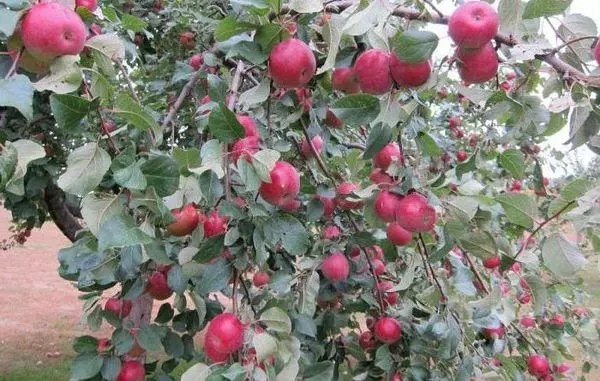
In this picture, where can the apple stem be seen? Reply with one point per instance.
(13, 68)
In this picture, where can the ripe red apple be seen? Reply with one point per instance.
(354, 252)
(385, 205)
(380, 177)
(562, 368)
(245, 147)
(91, 5)
(187, 40)
(331, 232)
(597, 53)
(285, 183)
(527, 321)
(461, 156)
(443, 93)
(345, 79)
(196, 61)
(473, 24)
(516, 186)
(415, 214)
(383, 159)
(367, 341)
(304, 99)
(378, 267)
(336, 267)
(506, 86)
(454, 122)
(291, 63)
(108, 126)
(317, 142)
(557, 320)
(511, 76)
(132, 370)
(492, 263)
(328, 205)
(408, 74)
(49, 30)
(186, 220)
(538, 365)
(397, 376)
(373, 70)
(343, 190)
(388, 330)
(375, 252)
(250, 128)
(493, 333)
(214, 224)
(398, 235)
(224, 335)
(158, 287)
(290, 205)
(524, 297)
(477, 65)
(121, 308)
(103, 345)
(210, 345)
(260, 278)
(332, 120)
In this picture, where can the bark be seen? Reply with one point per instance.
(60, 212)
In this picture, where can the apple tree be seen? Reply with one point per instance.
(274, 190)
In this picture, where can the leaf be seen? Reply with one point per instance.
(223, 124)
(210, 187)
(149, 338)
(198, 372)
(108, 44)
(259, 4)
(575, 189)
(290, 232)
(562, 257)
(65, 76)
(428, 145)
(8, 22)
(132, 23)
(173, 345)
(265, 346)
(229, 27)
(306, 6)
(320, 371)
(131, 177)
(162, 173)
(215, 277)
(379, 137)
(308, 295)
(356, 109)
(133, 113)
(509, 12)
(8, 164)
(211, 155)
(466, 167)
(414, 46)
(277, 320)
(513, 161)
(263, 162)
(520, 208)
(332, 35)
(111, 367)
(97, 207)
(479, 243)
(365, 19)
(120, 231)
(26, 152)
(256, 95)
(86, 167)
(86, 365)
(543, 8)
(268, 35)
(69, 110)
(17, 92)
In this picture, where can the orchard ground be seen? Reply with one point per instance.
(40, 312)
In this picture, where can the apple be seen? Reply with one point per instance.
(332, 120)
(304, 99)
(317, 143)
(562, 368)
(328, 205)
(511, 76)
(367, 341)
(260, 278)
(388, 330)
(492, 263)
(524, 297)
(493, 333)
(477, 65)
(336, 267)
(443, 93)
(415, 214)
(538, 365)
(187, 40)
(506, 86)
(597, 53)
(186, 220)
(163, 268)
(345, 79)
(458, 133)
(290, 205)
(91, 5)
(158, 287)
(291, 63)
(103, 345)
(331, 232)
(157, 6)
(196, 61)
(214, 224)
(249, 125)
(343, 190)
(354, 252)
(473, 24)
(557, 321)
(385, 205)
(210, 350)
(391, 298)
(527, 321)
(373, 70)
(398, 235)
(95, 29)
(375, 252)
(132, 370)
(224, 336)
(408, 74)
(380, 177)
(245, 147)
(516, 186)
(108, 126)
(378, 267)
(119, 307)
(454, 122)
(461, 156)
(285, 183)
(397, 376)
(384, 158)
(49, 30)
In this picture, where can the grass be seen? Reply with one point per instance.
(58, 370)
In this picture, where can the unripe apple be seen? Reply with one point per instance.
(331, 232)
(345, 79)
(328, 205)
(158, 287)
(527, 321)
(367, 341)
(415, 214)
(196, 61)
(186, 220)
(492, 263)
(384, 158)
(538, 365)
(454, 122)
(473, 24)
(336, 267)
(119, 307)
(477, 65)
(317, 143)
(260, 278)
(597, 53)
(378, 267)
(224, 336)
(187, 40)
(493, 333)
(245, 147)
(332, 120)
(91, 5)
(49, 30)
(132, 370)
(373, 70)
(398, 235)
(343, 190)
(250, 128)
(461, 156)
(408, 74)
(388, 330)
(285, 183)
(380, 177)
(291, 63)
(385, 205)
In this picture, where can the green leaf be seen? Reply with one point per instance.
(320, 371)
(133, 113)
(150, 338)
(520, 208)
(379, 137)
(177, 280)
(265, 346)
(198, 372)
(65, 76)
(543, 8)
(17, 92)
(257, 94)
(276, 320)
(108, 44)
(509, 12)
(306, 6)
(132, 23)
(97, 207)
(86, 365)
(357, 109)
(162, 173)
(290, 232)
(86, 167)
(211, 155)
(8, 164)
(229, 27)
(383, 358)
(259, 4)
(85, 344)
(428, 145)
(414, 45)
(465, 167)
(269, 35)
(215, 277)
(575, 189)
(69, 110)
(111, 368)
(263, 162)
(308, 295)
(27, 151)
(131, 177)
(332, 35)
(120, 231)
(8, 22)
(210, 187)
(562, 257)
(479, 243)
(224, 125)
(513, 161)
(173, 345)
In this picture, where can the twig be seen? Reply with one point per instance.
(560, 47)
(245, 288)
(111, 140)
(434, 7)
(185, 91)
(354, 145)
(376, 279)
(234, 292)
(128, 80)
(425, 255)
(235, 85)
(565, 42)
(13, 68)
(476, 272)
(315, 153)
(516, 328)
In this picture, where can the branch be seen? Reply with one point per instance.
(315, 153)
(560, 47)
(128, 80)
(181, 98)
(245, 288)
(59, 212)
(425, 256)
(434, 7)
(476, 272)
(235, 85)
(13, 68)
(354, 145)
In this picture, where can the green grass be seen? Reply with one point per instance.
(57, 371)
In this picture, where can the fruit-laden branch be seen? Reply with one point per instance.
(60, 213)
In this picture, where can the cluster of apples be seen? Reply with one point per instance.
(224, 336)
(188, 218)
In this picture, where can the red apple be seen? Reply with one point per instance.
(415, 214)
(408, 74)
(196, 61)
(158, 287)
(527, 321)
(375, 252)
(354, 252)
(373, 70)
(91, 5)
(477, 65)
(380, 177)
(562, 368)
(290, 205)
(328, 205)
(304, 99)
(332, 120)
(597, 53)
(187, 40)
(506, 86)
(385, 205)
(285, 183)
(186, 220)
(119, 307)
(210, 345)
(473, 24)
(378, 267)
(492, 263)
(331, 232)
(345, 79)
(108, 126)
(343, 190)
(524, 297)
(454, 122)
(250, 128)
(493, 333)
(132, 370)
(224, 336)
(516, 186)
(103, 345)
(388, 330)
(49, 30)
(245, 147)
(538, 365)
(557, 320)
(291, 63)
(336, 267)
(461, 156)
(398, 235)
(511, 75)
(317, 143)
(367, 341)
(260, 278)
(384, 158)
(214, 224)
(397, 376)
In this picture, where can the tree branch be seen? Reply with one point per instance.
(60, 213)
(185, 91)
(425, 256)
